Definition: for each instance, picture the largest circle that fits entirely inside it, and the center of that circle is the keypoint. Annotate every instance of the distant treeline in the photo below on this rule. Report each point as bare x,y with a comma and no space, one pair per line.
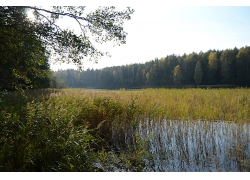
214,67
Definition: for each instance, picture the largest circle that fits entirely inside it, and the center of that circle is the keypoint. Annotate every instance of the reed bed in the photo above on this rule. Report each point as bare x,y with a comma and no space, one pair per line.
97,130
193,104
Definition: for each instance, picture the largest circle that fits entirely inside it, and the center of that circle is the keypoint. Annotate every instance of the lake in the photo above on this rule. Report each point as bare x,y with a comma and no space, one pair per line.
193,146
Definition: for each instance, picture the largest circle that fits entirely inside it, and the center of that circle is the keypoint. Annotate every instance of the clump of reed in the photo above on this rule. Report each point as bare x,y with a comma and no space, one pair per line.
38,134
60,131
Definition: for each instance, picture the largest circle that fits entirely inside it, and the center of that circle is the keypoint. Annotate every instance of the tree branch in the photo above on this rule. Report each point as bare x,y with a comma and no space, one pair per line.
58,13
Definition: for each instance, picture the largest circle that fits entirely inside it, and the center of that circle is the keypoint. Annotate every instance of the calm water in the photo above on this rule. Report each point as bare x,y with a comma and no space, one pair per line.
175,145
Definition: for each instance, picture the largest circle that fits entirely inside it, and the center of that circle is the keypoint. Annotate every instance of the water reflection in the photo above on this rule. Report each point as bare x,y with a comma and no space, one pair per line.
176,145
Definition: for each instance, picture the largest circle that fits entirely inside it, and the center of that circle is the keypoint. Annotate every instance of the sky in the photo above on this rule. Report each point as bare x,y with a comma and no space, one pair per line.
160,29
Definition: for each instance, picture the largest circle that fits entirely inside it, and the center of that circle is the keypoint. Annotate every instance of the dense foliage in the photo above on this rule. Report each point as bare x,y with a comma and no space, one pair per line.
228,67
23,56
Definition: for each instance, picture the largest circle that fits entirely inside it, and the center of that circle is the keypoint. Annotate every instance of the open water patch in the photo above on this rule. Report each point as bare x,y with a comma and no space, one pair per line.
192,146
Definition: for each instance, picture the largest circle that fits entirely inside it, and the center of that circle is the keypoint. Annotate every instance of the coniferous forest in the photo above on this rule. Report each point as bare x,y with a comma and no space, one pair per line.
230,67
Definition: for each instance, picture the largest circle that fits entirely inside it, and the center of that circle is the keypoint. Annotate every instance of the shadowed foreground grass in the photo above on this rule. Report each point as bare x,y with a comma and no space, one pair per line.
71,129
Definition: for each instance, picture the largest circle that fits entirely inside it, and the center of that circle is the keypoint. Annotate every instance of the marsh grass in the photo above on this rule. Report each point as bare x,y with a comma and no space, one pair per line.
99,130
205,104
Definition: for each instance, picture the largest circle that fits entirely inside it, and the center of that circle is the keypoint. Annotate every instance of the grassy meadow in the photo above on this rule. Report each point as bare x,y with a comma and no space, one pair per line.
88,130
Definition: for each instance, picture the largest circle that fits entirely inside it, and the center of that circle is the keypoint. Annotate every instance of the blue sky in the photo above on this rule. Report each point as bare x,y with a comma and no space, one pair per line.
162,28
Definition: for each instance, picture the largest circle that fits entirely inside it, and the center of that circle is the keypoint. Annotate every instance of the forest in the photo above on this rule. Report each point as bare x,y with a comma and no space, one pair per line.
230,67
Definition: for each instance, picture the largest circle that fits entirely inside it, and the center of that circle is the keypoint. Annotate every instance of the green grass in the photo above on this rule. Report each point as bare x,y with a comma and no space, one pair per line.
71,129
